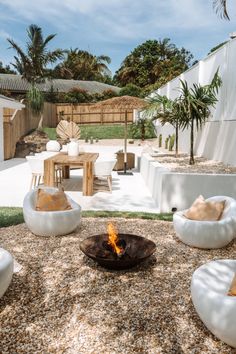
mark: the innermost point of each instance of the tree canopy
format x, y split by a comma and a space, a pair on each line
82, 65
154, 62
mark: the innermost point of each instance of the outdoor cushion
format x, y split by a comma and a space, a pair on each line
47, 201
209, 288
205, 211
208, 234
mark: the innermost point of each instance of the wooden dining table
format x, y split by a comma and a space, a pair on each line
84, 160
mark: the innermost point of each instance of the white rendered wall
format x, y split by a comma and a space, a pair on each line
1, 136
217, 139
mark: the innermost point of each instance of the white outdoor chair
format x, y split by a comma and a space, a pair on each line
36, 164
6, 270
208, 234
209, 288
103, 169
50, 223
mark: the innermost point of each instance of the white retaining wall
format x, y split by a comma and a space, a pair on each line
179, 190
217, 139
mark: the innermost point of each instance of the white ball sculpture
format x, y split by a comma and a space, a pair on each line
53, 145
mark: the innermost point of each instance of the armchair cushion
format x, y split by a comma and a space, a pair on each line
49, 201
205, 210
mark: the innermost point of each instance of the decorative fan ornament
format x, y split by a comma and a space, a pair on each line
67, 130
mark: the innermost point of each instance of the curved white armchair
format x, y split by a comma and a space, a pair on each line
209, 287
6, 270
103, 169
50, 223
208, 234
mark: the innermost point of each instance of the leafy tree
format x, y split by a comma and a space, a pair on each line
153, 62
195, 106
221, 8
32, 64
6, 69
82, 65
166, 111
131, 90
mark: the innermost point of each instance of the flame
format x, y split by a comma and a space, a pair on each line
113, 238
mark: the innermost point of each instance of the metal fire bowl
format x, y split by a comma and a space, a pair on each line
137, 250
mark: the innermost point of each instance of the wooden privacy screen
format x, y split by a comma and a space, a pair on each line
87, 114
17, 123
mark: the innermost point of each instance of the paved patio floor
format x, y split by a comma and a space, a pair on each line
129, 193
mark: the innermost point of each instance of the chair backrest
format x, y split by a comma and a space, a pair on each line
36, 164
104, 168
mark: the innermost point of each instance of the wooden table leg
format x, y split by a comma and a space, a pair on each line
49, 173
88, 179
66, 172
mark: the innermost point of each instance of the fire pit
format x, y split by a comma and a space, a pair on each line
115, 251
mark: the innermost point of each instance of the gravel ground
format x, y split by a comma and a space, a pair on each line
61, 302
202, 165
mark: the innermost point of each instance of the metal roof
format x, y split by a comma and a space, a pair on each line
15, 83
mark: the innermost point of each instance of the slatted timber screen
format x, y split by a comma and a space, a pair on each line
20, 122
88, 114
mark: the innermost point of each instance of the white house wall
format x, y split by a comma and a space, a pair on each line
217, 139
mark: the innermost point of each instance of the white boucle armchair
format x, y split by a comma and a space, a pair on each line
209, 288
50, 223
208, 234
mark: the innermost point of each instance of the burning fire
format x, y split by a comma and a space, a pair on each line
113, 239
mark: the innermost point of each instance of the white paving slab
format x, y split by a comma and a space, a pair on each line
129, 192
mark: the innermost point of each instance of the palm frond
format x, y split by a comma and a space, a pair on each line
220, 6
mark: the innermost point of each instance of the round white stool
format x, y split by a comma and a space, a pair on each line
209, 288
6, 270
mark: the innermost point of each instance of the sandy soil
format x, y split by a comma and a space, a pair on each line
59, 301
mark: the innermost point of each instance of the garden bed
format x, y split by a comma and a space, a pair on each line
61, 302
202, 165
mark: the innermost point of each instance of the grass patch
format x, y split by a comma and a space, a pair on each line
11, 216
115, 131
51, 132
128, 215
14, 216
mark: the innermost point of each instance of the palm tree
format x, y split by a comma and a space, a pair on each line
32, 64
82, 65
194, 106
221, 7
167, 111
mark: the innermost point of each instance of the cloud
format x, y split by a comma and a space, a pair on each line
4, 34
117, 18
116, 26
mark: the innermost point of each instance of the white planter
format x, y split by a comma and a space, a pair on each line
73, 147
53, 145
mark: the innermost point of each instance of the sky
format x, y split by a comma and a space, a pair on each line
115, 27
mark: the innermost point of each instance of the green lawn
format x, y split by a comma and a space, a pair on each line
14, 216
115, 131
